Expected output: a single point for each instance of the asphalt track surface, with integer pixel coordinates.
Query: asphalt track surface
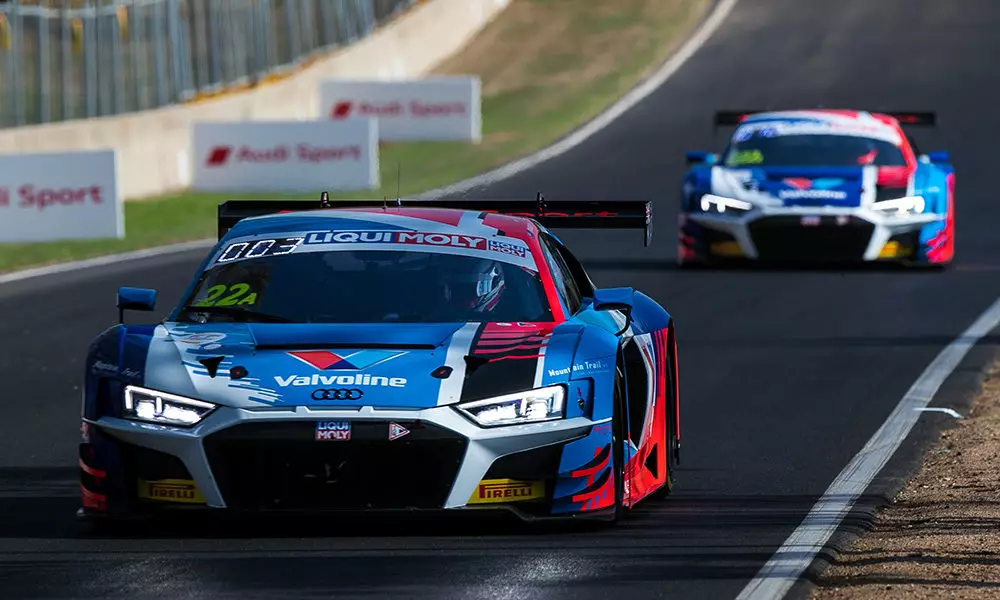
(784, 374)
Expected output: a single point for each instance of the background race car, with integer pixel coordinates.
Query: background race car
(818, 186)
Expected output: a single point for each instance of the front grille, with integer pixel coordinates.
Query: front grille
(833, 239)
(280, 466)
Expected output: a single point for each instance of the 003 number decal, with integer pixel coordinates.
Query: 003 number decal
(228, 295)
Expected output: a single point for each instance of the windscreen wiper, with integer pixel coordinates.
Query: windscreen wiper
(232, 311)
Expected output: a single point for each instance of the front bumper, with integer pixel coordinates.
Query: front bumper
(808, 234)
(269, 461)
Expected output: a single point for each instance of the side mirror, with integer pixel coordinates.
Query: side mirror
(939, 157)
(131, 298)
(615, 299)
(697, 156)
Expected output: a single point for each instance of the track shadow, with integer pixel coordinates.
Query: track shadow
(45, 502)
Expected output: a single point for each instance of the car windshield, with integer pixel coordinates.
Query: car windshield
(367, 286)
(761, 149)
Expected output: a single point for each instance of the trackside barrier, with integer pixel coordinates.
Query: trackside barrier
(59, 196)
(72, 59)
(154, 146)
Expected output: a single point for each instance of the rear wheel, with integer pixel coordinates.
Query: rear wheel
(669, 436)
(618, 446)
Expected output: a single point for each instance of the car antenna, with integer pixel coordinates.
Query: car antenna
(540, 204)
(324, 200)
(399, 177)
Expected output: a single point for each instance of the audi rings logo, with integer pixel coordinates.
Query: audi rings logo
(338, 394)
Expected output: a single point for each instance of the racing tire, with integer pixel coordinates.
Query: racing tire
(617, 447)
(669, 440)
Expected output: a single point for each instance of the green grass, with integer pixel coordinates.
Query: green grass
(601, 52)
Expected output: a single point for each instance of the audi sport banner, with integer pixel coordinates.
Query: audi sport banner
(59, 196)
(285, 156)
(431, 109)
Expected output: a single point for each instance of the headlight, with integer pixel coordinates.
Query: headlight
(711, 202)
(901, 206)
(533, 406)
(142, 404)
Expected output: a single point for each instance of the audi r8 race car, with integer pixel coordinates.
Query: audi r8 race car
(818, 186)
(444, 355)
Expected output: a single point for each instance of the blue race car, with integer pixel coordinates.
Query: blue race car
(818, 186)
(445, 355)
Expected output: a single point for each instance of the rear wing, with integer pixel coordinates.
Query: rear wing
(563, 214)
(732, 118)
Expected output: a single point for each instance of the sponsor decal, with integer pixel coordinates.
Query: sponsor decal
(891, 249)
(815, 126)
(358, 379)
(220, 156)
(337, 394)
(587, 366)
(333, 431)
(325, 360)
(397, 237)
(803, 188)
(171, 490)
(418, 238)
(201, 339)
(803, 183)
(492, 491)
(103, 368)
(343, 109)
(507, 248)
(812, 195)
(397, 431)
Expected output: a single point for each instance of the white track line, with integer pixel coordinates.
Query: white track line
(103, 261)
(693, 44)
(778, 575)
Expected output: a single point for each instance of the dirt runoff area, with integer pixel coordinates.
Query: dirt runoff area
(941, 536)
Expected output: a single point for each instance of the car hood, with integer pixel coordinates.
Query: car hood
(404, 366)
(795, 186)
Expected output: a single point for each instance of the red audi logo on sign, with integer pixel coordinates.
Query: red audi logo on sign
(345, 108)
(220, 155)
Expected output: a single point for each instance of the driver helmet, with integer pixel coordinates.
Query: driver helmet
(477, 288)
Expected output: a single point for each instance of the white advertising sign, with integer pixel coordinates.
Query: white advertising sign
(60, 196)
(432, 109)
(285, 156)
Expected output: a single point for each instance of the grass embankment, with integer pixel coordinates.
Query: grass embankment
(547, 67)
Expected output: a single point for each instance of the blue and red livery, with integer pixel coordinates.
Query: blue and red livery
(451, 355)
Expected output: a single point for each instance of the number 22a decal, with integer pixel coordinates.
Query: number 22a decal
(228, 295)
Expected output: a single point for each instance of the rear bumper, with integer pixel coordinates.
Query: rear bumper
(255, 462)
(811, 235)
